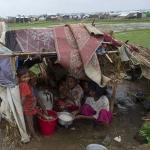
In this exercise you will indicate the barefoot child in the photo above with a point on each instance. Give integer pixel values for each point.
(28, 100)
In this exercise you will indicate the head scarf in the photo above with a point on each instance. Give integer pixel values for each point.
(96, 88)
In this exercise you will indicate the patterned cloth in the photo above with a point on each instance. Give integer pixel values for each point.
(29, 104)
(30, 40)
(76, 50)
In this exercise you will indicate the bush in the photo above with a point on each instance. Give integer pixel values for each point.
(145, 131)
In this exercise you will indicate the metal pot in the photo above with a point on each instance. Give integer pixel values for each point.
(95, 147)
(46, 98)
(65, 122)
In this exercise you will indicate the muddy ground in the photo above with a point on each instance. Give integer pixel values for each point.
(125, 124)
(121, 27)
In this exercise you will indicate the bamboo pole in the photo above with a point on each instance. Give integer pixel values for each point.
(112, 103)
(107, 56)
(110, 52)
(27, 53)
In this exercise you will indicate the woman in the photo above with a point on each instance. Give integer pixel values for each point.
(96, 106)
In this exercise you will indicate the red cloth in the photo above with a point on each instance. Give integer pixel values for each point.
(74, 38)
(29, 104)
(70, 107)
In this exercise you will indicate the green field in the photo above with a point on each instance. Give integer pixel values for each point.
(39, 24)
(140, 37)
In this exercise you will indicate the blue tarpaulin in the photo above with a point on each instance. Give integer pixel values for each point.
(7, 75)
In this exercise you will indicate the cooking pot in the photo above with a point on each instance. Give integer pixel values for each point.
(65, 118)
(47, 98)
(95, 147)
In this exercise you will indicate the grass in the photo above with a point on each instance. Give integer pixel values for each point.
(39, 24)
(140, 37)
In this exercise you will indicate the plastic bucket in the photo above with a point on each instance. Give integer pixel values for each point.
(48, 127)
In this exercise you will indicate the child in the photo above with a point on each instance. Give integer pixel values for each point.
(28, 99)
(96, 106)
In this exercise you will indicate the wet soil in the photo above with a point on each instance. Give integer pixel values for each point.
(125, 124)
(121, 27)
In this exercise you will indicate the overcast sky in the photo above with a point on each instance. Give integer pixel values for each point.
(36, 7)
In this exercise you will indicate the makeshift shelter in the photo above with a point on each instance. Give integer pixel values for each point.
(76, 47)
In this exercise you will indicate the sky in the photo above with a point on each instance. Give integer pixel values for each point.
(37, 7)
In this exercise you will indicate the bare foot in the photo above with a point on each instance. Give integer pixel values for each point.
(37, 138)
(146, 118)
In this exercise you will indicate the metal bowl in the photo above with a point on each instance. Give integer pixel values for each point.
(65, 122)
(95, 147)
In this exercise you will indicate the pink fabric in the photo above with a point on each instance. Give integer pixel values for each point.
(87, 110)
(76, 50)
(104, 117)
(35, 40)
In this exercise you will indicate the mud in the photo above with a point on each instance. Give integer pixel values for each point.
(121, 27)
(82, 133)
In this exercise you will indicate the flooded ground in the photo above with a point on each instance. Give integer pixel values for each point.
(121, 27)
(125, 124)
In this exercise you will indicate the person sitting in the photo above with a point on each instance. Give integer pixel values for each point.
(72, 95)
(96, 106)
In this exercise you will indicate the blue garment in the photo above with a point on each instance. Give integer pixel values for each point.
(7, 76)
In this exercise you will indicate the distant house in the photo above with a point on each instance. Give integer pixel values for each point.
(114, 14)
(66, 16)
(11, 19)
(33, 18)
(123, 14)
(132, 15)
(85, 16)
(141, 15)
(93, 16)
(51, 17)
(22, 19)
(104, 15)
(42, 18)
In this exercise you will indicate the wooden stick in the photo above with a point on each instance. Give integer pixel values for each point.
(112, 103)
(109, 52)
(27, 53)
(107, 56)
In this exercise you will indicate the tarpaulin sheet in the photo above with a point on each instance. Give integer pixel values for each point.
(30, 40)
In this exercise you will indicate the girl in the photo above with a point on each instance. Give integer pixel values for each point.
(28, 99)
(96, 105)
(72, 94)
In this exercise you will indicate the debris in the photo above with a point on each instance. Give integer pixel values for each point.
(73, 128)
(107, 140)
(118, 139)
